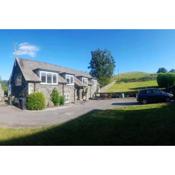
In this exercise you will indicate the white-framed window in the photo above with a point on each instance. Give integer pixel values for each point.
(69, 79)
(85, 81)
(48, 78)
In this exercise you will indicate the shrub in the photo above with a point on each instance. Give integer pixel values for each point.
(61, 100)
(35, 101)
(166, 80)
(55, 98)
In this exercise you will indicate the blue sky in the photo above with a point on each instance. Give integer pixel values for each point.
(133, 50)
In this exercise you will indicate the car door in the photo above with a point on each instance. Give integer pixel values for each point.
(150, 95)
(159, 96)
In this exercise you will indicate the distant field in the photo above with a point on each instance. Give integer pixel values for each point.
(133, 81)
(135, 76)
(131, 86)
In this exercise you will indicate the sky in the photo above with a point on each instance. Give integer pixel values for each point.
(133, 50)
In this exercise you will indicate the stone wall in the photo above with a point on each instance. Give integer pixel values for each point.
(1, 94)
(68, 91)
(47, 90)
(94, 89)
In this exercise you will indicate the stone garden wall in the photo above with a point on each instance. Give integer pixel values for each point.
(1, 94)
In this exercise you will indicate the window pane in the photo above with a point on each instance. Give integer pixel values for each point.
(54, 78)
(49, 78)
(43, 77)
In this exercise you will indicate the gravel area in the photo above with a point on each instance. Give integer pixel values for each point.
(11, 116)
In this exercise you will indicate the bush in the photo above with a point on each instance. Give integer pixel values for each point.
(61, 100)
(55, 98)
(166, 80)
(35, 101)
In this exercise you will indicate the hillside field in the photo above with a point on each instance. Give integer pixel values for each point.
(133, 81)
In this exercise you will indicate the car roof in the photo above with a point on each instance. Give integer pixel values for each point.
(149, 89)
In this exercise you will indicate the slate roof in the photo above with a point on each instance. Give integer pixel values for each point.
(29, 66)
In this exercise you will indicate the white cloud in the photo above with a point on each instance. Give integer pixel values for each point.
(26, 49)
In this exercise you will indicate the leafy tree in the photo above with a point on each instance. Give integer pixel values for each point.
(102, 66)
(4, 85)
(162, 70)
(172, 71)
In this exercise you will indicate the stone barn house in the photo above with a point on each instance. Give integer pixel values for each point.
(30, 76)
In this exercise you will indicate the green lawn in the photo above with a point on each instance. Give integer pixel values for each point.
(152, 124)
(131, 86)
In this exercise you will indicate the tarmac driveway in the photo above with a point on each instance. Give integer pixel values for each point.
(11, 116)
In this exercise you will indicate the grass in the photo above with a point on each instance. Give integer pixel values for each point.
(152, 124)
(135, 76)
(132, 86)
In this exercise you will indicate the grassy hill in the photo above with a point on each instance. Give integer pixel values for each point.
(133, 81)
(134, 76)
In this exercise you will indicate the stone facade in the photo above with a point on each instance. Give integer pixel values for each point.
(70, 93)
(67, 91)
(1, 94)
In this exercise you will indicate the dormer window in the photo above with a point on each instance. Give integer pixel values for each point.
(94, 82)
(85, 81)
(48, 78)
(69, 79)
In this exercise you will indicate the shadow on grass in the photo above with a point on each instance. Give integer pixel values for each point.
(125, 103)
(134, 126)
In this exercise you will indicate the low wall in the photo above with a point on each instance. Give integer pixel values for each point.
(1, 94)
(107, 95)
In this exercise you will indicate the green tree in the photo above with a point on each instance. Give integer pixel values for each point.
(172, 71)
(162, 70)
(102, 66)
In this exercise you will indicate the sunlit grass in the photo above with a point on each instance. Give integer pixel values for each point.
(131, 86)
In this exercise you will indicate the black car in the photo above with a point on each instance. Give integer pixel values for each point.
(153, 95)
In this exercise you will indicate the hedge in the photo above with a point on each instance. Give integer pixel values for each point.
(55, 98)
(61, 102)
(166, 80)
(35, 101)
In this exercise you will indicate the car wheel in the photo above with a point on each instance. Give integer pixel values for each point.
(144, 101)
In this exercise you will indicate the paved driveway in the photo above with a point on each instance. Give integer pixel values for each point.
(13, 117)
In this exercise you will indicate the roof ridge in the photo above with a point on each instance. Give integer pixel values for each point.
(80, 71)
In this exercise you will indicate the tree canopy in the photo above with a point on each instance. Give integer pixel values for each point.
(162, 70)
(102, 66)
(172, 71)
